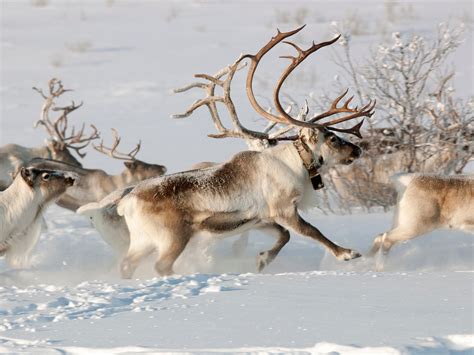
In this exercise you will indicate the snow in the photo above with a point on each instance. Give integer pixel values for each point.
(122, 59)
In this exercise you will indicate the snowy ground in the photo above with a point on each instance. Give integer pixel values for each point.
(122, 59)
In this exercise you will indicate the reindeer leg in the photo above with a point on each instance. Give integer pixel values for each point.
(168, 254)
(266, 257)
(377, 243)
(239, 246)
(293, 220)
(134, 255)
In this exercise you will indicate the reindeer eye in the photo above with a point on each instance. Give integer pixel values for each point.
(333, 139)
(46, 176)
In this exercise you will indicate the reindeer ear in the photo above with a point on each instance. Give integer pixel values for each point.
(129, 165)
(29, 175)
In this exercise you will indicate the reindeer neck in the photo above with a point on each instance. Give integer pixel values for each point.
(122, 180)
(19, 197)
(288, 155)
(42, 152)
(311, 165)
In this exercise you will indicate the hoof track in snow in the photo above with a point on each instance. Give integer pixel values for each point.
(95, 300)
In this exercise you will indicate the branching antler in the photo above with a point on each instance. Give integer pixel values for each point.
(223, 79)
(365, 111)
(112, 152)
(57, 129)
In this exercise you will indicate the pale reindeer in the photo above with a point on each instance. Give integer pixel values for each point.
(425, 203)
(21, 209)
(95, 184)
(14, 156)
(262, 190)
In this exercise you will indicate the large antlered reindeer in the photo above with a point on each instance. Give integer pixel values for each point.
(253, 189)
(13, 156)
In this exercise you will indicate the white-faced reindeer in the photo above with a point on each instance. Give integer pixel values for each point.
(95, 184)
(261, 190)
(428, 202)
(21, 208)
(13, 156)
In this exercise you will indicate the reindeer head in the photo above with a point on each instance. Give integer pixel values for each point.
(328, 148)
(59, 151)
(139, 170)
(135, 170)
(50, 184)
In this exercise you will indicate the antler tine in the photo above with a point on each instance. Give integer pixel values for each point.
(72, 141)
(112, 151)
(365, 111)
(135, 151)
(211, 100)
(295, 61)
(355, 130)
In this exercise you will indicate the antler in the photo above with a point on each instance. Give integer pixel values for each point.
(57, 129)
(211, 100)
(285, 118)
(112, 152)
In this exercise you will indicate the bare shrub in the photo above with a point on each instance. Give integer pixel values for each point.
(420, 125)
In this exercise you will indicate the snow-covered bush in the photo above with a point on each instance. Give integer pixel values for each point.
(420, 124)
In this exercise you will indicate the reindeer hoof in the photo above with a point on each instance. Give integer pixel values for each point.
(263, 259)
(348, 254)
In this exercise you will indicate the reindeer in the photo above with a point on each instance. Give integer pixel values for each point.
(262, 190)
(425, 203)
(13, 156)
(21, 208)
(95, 184)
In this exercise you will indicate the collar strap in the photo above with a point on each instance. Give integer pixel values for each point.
(311, 165)
(307, 157)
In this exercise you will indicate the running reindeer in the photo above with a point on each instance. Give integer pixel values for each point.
(21, 209)
(95, 184)
(13, 156)
(253, 190)
(428, 202)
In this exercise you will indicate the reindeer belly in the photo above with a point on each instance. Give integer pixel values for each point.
(225, 224)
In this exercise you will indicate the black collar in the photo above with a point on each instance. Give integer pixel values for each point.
(311, 165)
